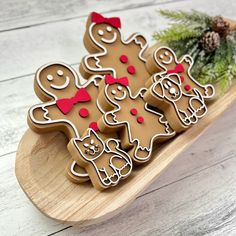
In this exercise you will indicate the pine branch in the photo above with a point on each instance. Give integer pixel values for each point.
(186, 17)
(176, 33)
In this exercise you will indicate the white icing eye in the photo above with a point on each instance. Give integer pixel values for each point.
(100, 32)
(86, 145)
(49, 77)
(166, 86)
(109, 29)
(169, 83)
(92, 141)
(113, 92)
(119, 88)
(161, 56)
(60, 72)
(166, 53)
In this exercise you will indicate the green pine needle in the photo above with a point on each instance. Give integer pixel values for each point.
(183, 37)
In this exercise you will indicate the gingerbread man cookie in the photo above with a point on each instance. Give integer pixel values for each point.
(68, 106)
(111, 54)
(164, 62)
(105, 162)
(138, 125)
(182, 109)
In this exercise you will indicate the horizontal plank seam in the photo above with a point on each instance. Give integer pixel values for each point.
(5, 154)
(187, 176)
(134, 6)
(60, 230)
(166, 185)
(30, 74)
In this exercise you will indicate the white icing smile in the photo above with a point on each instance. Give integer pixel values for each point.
(110, 40)
(169, 61)
(122, 97)
(61, 86)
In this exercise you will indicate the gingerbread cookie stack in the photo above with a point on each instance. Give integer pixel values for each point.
(128, 103)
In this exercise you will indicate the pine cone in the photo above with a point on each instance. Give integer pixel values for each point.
(210, 41)
(220, 26)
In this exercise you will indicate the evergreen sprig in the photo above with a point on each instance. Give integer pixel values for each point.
(183, 37)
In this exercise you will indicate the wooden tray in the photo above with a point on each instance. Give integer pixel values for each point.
(41, 160)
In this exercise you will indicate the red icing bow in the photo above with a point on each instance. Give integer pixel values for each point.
(113, 21)
(66, 104)
(178, 69)
(109, 79)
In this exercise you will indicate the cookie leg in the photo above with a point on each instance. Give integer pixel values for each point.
(122, 165)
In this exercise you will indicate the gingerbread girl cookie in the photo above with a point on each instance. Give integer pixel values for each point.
(182, 109)
(111, 54)
(164, 62)
(104, 161)
(68, 106)
(138, 125)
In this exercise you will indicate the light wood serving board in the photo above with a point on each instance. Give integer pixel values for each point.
(41, 161)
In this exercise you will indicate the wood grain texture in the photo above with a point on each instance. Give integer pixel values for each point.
(15, 207)
(23, 50)
(16, 15)
(31, 47)
(41, 159)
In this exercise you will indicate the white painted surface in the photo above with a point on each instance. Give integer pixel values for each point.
(196, 195)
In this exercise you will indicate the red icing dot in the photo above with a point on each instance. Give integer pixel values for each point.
(131, 70)
(123, 58)
(187, 87)
(133, 111)
(182, 78)
(83, 112)
(94, 126)
(140, 119)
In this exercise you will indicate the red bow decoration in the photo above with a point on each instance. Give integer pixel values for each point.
(66, 104)
(113, 21)
(178, 69)
(109, 79)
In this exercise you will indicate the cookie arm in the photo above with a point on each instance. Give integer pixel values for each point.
(187, 62)
(92, 65)
(42, 118)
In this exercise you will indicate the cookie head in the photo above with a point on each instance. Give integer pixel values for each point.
(116, 88)
(164, 56)
(104, 30)
(55, 77)
(91, 146)
(169, 87)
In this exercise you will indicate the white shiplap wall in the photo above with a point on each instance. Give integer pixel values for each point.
(196, 195)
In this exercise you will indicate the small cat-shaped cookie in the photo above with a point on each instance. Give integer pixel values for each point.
(104, 161)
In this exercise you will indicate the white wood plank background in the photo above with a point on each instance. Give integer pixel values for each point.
(196, 195)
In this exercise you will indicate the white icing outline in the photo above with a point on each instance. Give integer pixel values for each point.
(61, 86)
(43, 106)
(198, 96)
(126, 123)
(95, 56)
(72, 170)
(119, 153)
(110, 40)
(186, 58)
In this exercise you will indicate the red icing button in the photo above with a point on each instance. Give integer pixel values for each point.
(140, 119)
(123, 58)
(133, 111)
(94, 126)
(187, 87)
(83, 112)
(131, 70)
(182, 78)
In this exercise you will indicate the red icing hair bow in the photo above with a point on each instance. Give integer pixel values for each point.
(109, 79)
(113, 21)
(66, 104)
(178, 69)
